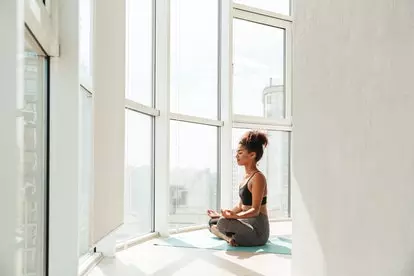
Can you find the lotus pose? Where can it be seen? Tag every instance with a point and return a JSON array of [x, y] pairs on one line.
[[247, 223]]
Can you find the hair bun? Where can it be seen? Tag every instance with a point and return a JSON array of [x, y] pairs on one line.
[[259, 137], [254, 141]]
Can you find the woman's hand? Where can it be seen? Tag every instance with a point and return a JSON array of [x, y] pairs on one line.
[[213, 214], [229, 214]]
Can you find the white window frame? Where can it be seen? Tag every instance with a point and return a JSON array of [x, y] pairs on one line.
[[275, 20], [222, 111], [158, 112]]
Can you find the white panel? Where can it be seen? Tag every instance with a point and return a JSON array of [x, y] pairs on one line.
[[64, 147], [226, 154], [162, 123], [262, 11], [267, 19], [194, 119], [141, 108], [11, 83], [353, 201], [109, 116], [261, 120]]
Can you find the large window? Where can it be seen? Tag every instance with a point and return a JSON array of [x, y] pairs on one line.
[[262, 93], [194, 107], [258, 69], [140, 113], [140, 53], [138, 187], [32, 144], [194, 58], [275, 165], [193, 174]]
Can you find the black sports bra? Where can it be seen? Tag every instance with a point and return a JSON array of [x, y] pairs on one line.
[[246, 195]]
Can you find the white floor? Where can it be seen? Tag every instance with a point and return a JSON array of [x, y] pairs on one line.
[[147, 259]]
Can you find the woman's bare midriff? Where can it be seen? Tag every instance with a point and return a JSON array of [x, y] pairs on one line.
[[263, 209]]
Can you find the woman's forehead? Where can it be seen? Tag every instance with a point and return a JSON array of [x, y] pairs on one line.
[[240, 147]]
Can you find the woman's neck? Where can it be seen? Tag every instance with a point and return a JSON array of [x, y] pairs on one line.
[[249, 169]]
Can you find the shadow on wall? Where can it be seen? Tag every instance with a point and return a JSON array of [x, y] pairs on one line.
[[307, 243], [409, 265]]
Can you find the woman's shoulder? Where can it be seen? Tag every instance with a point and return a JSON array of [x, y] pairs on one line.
[[258, 177]]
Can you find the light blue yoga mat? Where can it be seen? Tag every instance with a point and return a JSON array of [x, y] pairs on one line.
[[206, 240]]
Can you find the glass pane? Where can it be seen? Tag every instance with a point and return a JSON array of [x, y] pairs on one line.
[[274, 165], [85, 36], [85, 187], [193, 173], [278, 6], [139, 51], [138, 176], [31, 141], [258, 72], [194, 55]]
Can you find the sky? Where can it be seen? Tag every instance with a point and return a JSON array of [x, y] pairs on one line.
[[257, 56]]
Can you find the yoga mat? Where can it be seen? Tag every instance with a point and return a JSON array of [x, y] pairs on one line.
[[206, 240]]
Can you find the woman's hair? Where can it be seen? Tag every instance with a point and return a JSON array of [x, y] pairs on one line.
[[254, 141]]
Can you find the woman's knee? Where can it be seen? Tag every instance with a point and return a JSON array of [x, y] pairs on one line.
[[212, 221], [222, 224]]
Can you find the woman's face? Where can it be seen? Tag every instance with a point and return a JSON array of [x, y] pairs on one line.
[[243, 157]]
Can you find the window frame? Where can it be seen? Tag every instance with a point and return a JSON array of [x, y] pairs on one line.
[[156, 112], [288, 131], [44, 167], [222, 122], [274, 20], [147, 111]]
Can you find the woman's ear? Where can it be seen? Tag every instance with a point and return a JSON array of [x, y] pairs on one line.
[[253, 155]]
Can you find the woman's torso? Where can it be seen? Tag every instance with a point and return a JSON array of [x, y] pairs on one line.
[[246, 185]]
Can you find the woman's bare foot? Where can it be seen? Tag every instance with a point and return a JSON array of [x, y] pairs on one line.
[[215, 231], [213, 214], [233, 242]]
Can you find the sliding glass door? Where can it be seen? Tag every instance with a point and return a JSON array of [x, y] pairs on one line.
[[32, 144]]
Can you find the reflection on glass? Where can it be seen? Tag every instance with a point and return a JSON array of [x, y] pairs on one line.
[[275, 166], [258, 72], [86, 181], [278, 6], [139, 51], [138, 176], [194, 57], [31, 142], [193, 173]]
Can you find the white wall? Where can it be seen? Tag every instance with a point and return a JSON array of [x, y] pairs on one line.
[[353, 143], [11, 85], [64, 140]]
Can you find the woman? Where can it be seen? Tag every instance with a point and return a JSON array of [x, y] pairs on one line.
[[247, 223]]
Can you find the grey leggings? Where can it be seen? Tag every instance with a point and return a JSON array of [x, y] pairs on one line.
[[246, 232]]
